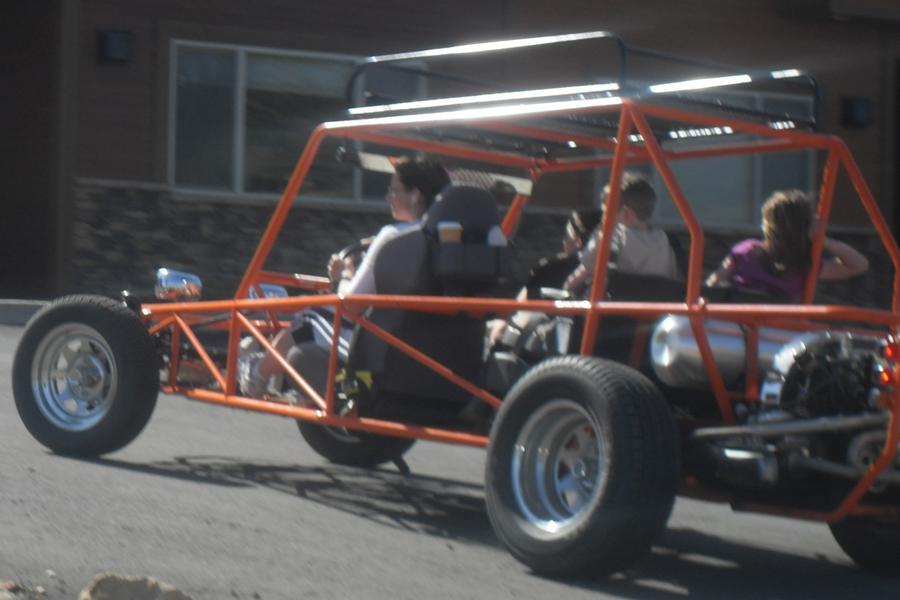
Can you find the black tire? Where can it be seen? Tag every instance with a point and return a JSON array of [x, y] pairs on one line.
[[85, 376], [353, 448], [336, 444], [577, 519], [873, 545]]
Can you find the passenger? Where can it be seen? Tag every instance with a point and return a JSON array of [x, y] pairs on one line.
[[552, 272], [778, 264], [413, 188], [636, 247]]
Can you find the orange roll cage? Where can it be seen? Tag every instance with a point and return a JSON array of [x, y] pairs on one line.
[[634, 143]]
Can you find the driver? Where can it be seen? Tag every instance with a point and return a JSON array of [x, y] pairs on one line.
[[414, 185]]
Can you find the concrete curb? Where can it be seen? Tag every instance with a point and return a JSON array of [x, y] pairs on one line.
[[17, 312]]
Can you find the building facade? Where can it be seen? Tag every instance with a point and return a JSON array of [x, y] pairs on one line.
[[143, 133]]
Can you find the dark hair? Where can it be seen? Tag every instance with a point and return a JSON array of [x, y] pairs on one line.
[[503, 191], [583, 223], [637, 194], [424, 175], [786, 220]]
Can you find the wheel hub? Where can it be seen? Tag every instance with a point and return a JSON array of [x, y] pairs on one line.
[[556, 466], [74, 377], [86, 378]]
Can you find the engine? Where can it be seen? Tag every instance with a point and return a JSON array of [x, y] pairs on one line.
[[819, 412], [821, 375]]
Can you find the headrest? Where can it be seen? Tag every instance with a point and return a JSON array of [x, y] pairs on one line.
[[472, 207]]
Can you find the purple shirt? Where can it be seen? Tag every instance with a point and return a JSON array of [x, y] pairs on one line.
[[753, 269]]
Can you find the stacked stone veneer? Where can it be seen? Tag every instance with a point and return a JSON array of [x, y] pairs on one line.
[[121, 236]]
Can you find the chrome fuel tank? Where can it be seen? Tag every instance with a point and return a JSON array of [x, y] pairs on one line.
[[676, 358]]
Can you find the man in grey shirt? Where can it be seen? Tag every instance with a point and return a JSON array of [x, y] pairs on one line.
[[636, 247]]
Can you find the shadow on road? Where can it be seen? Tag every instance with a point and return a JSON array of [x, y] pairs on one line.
[[685, 563], [418, 503]]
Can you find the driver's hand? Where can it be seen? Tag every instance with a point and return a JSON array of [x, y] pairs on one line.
[[339, 269]]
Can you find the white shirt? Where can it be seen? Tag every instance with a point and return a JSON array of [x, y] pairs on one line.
[[363, 281]]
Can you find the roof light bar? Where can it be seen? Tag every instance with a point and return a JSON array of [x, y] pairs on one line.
[[490, 46], [700, 84], [492, 112], [785, 74], [782, 125], [696, 132], [497, 97]]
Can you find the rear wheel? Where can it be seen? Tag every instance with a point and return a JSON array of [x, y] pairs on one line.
[[873, 545], [582, 467], [337, 444], [354, 448], [85, 376]]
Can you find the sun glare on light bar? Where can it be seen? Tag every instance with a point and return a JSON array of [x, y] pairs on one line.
[[680, 134], [490, 46], [498, 97], [785, 74], [699, 84], [491, 112]]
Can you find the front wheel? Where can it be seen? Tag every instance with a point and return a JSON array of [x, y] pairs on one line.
[[582, 467], [85, 376], [873, 545]]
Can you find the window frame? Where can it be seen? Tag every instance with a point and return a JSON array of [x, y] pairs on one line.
[[236, 190]]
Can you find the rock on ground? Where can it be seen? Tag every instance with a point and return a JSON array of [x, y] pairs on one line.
[[119, 587]]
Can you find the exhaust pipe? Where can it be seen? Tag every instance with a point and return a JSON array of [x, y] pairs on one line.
[[798, 427], [840, 470]]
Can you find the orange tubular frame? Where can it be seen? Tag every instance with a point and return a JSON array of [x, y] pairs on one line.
[[178, 318]]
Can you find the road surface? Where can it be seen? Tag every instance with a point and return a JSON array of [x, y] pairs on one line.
[[226, 504]]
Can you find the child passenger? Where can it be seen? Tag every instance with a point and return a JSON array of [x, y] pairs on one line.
[[778, 264], [636, 247]]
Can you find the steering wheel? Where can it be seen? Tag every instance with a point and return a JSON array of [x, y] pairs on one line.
[[354, 252]]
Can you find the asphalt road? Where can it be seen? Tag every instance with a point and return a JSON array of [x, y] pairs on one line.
[[226, 504]]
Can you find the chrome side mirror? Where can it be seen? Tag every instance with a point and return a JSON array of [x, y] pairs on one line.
[[269, 290], [177, 285]]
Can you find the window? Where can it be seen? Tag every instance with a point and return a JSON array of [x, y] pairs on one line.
[[730, 190], [243, 115]]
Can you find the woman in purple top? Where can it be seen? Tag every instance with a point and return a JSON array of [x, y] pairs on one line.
[[778, 264]]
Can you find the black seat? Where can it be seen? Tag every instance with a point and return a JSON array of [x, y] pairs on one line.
[[616, 334], [416, 263]]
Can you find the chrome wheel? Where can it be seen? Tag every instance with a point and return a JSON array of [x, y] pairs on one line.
[[557, 467], [73, 377]]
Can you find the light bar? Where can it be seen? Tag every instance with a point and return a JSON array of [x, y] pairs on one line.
[[490, 46], [680, 134], [786, 73], [497, 97], [700, 84], [782, 125], [492, 112]]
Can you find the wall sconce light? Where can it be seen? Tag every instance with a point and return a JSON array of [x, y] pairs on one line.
[[114, 47], [856, 112]]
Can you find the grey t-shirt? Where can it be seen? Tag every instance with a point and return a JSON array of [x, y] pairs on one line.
[[638, 251]]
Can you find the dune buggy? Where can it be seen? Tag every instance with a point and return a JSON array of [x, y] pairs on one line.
[[596, 417]]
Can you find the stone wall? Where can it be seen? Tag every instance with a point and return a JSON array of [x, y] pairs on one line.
[[121, 236]]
